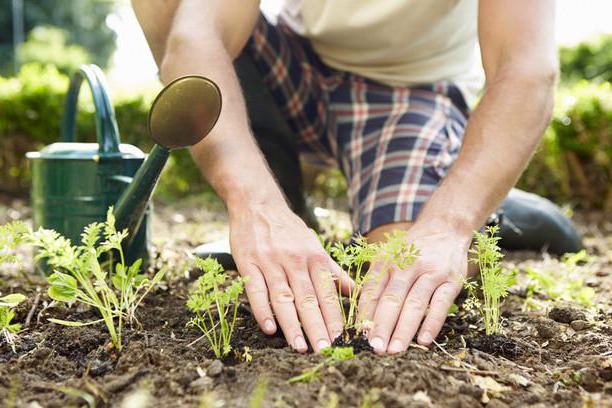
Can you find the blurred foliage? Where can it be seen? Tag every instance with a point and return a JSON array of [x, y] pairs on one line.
[[31, 109], [591, 60], [84, 22], [47, 45], [573, 162]]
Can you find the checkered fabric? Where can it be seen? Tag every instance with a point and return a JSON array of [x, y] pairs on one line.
[[394, 144]]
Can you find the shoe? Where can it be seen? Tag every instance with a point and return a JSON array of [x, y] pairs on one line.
[[219, 250], [531, 222]]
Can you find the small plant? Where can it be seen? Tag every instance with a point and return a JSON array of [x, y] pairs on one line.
[[215, 307], [334, 355], [561, 281], [115, 289], [11, 235], [494, 280], [7, 313], [359, 255]]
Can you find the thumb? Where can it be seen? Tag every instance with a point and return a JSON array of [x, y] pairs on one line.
[[342, 277]]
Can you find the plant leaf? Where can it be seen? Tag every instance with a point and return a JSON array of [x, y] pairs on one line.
[[12, 300], [63, 287], [71, 323]]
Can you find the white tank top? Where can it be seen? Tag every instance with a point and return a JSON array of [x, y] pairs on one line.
[[397, 42]]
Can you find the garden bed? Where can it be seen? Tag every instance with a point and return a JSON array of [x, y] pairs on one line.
[[561, 356]]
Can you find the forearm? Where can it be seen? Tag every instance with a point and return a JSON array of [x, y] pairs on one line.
[[228, 157], [500, 138]]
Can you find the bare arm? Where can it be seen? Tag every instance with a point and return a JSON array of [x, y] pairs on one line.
[[520, 60], [519, 57], [287, 267]]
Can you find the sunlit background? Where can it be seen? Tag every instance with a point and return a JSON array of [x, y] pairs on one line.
[[572, 165]]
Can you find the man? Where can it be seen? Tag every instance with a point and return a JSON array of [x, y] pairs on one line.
[[381, 88]]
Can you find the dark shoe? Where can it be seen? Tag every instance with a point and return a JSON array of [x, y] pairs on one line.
[[529, 221], [219, 250]]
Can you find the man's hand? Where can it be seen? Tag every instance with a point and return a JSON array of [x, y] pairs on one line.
[[397, 301], [289, 271], [519, 57]]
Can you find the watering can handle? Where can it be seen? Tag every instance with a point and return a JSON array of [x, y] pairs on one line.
[[106, 126]]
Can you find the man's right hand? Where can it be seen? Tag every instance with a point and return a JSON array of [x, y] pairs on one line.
[[290, 275]]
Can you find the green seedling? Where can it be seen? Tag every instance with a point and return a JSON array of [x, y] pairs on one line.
[[214, 306], [115, 289], [357, 257], [7, 313], [11, 235], [561, 281], [334, 355], [494, 280]]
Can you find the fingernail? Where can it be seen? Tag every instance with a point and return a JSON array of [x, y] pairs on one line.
[[426, 338], [321, 344], [396, 346], [269, 326], [377, 344], [300, 344]]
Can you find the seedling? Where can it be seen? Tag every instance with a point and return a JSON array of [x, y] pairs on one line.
[[115, 289], [495, 280], [358, 256], [562, 281], [11, 235], [7, 313], [334, 355], [209, 297]]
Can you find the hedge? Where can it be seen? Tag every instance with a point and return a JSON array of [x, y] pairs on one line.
[[31, 108], [574, 161], [590, 60], [572, 164]]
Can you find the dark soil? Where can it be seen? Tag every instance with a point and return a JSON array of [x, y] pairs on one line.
[[543, 359]]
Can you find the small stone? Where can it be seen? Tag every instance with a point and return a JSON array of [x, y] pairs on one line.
[[518, 379], [201, 383], [566, 314], [214, 369], [546, 329], [579, 325]]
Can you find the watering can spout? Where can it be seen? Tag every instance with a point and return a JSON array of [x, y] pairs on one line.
[[182, 114]]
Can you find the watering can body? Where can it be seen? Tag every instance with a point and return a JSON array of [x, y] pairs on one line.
[[74, 184]]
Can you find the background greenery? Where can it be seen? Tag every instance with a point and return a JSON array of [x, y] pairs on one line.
[[572, 164], [82, 24]]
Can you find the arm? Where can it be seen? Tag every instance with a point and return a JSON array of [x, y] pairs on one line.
[[520, 61], [270, 244]]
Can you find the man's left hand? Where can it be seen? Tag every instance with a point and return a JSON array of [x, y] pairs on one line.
[[398, 302]]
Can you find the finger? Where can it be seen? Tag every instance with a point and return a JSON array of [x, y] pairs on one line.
[[257, 293], [375, 282], [325, 287], [441, 302], [282, 301], [412, 313], [307, 305], [342, 278], [389, 308]]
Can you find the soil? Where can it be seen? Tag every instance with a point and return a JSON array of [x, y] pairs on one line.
[[561, 356]]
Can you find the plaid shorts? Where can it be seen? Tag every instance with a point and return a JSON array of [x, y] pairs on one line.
[[393, 144]]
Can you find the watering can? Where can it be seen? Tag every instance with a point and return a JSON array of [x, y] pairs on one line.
[[74, 184]]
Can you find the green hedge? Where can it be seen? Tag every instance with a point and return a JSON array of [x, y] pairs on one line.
[[31, 108], [590, 60], [574, 161]]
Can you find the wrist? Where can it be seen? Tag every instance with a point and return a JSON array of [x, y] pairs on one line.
[[239, 197], [459, 228]]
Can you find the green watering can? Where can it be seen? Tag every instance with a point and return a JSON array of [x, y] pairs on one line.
[[74, 184]]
